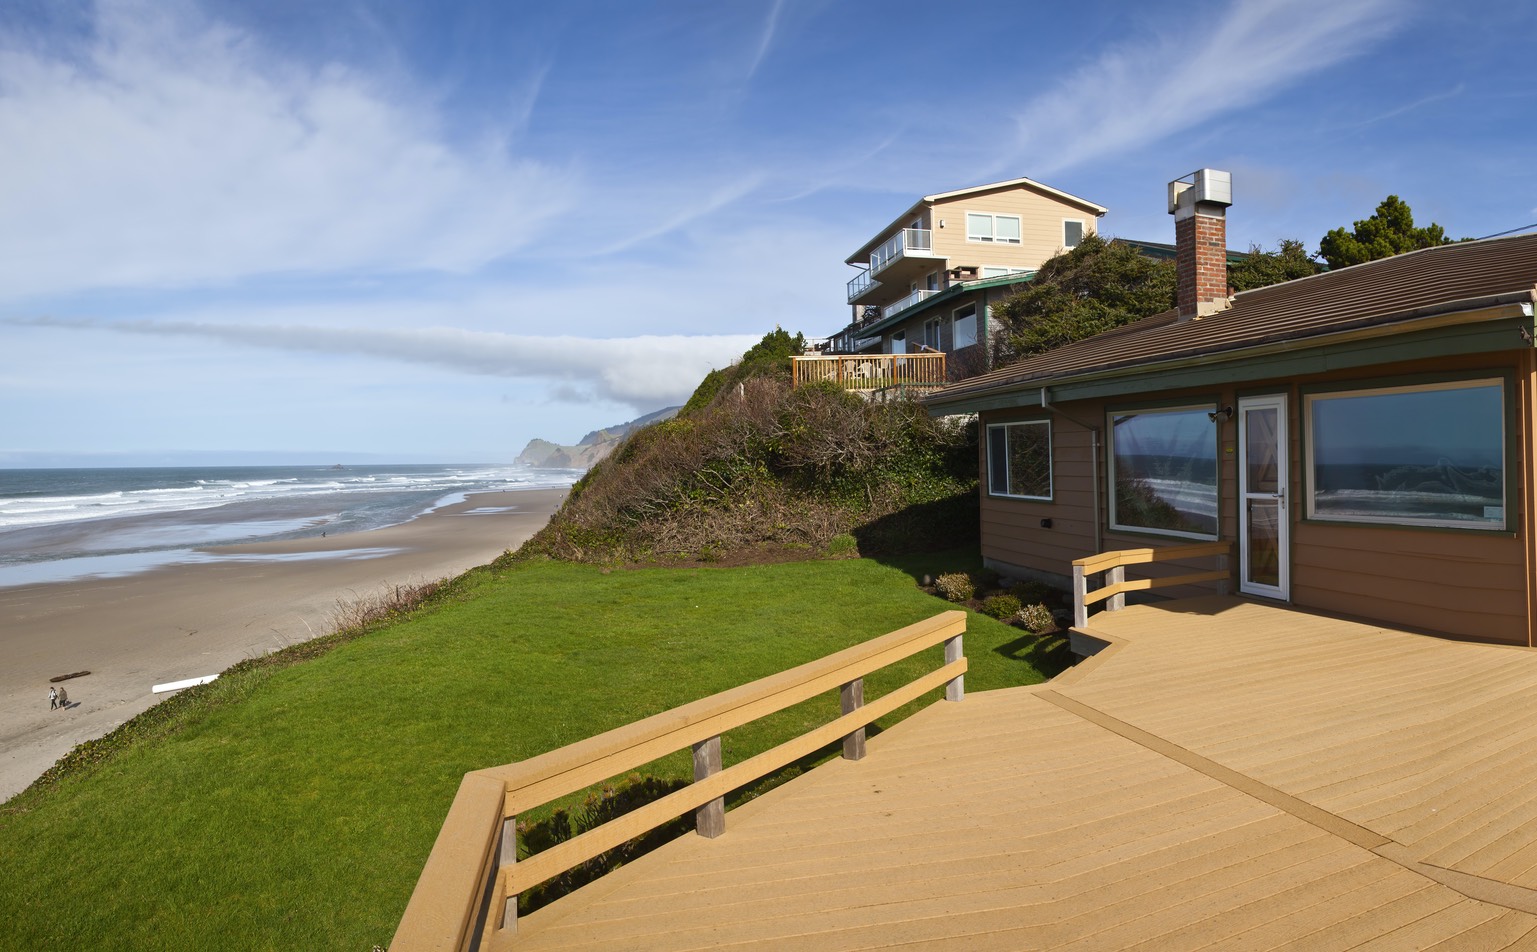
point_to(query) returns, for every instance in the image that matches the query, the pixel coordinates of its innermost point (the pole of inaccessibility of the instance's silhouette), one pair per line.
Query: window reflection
(1165, 468)
(1415, 456)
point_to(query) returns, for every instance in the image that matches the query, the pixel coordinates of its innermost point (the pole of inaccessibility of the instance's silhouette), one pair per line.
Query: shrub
(599, 808)
(1000, 606)
(842, 544)
(1037, 619)
(1029, 592)
(955, 586)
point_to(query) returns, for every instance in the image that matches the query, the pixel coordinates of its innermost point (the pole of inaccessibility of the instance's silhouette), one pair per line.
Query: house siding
(1040, 216)
(1468, 583)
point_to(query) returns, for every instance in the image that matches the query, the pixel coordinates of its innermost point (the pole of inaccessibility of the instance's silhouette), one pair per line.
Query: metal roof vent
(1211, 186)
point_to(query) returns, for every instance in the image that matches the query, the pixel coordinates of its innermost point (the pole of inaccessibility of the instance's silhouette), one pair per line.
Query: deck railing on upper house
(872, 371)
(467, 897)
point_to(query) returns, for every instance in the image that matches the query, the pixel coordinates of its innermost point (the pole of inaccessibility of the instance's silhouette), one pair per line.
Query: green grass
(292, 807)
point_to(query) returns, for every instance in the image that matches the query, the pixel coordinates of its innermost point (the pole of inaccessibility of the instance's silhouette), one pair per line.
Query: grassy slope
(300, 817)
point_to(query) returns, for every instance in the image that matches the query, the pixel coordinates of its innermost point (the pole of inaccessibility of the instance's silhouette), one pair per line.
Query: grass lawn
(293, 807)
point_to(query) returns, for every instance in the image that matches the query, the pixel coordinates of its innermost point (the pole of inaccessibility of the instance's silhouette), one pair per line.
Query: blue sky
(414, 231)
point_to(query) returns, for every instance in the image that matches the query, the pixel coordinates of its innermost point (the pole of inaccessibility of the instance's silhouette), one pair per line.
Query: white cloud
(170, 151)
(1141, 92)
(644, 372)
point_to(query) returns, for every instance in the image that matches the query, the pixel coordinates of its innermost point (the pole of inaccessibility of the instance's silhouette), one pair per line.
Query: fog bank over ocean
(62, 524)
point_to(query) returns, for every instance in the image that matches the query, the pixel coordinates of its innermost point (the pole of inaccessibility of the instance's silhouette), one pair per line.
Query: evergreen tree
(1263, 268)
(1390, 231)
(1092, 288)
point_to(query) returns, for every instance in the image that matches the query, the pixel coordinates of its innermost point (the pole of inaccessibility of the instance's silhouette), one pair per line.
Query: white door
(1264, 535)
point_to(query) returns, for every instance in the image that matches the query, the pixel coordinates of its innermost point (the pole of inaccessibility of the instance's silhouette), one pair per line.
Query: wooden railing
(871, 371)
(1113, 564)
(467, 895)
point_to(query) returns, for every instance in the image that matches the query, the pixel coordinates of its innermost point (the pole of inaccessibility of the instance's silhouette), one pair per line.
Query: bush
(1030, 592)
(955, 586)
(841, 545)
(1037, 619)
(1000, 606)
(599, 808)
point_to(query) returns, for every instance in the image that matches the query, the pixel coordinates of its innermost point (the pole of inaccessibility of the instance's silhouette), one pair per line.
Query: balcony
(905, 243)
(912, 299)
(859, 284)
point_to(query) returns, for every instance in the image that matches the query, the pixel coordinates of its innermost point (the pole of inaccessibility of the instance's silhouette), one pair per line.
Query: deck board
(1010, 821)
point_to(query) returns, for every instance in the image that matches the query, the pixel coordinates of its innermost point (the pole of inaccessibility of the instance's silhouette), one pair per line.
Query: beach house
(927, 279)
(1361, 440)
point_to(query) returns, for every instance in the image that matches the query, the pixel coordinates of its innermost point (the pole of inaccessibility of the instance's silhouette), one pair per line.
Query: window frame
(1112, 516)
(1422, 384)
(1051, 463)
(1083, 231)
(938, 323)
(992, 235)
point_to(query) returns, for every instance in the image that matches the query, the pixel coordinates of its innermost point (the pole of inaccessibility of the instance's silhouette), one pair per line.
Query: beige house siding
(1470, 583)
(1041, 218)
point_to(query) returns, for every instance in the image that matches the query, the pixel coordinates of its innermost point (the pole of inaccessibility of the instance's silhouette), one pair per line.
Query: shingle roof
(1447, 278)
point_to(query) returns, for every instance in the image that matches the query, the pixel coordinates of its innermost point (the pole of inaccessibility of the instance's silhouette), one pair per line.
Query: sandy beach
(191, 620)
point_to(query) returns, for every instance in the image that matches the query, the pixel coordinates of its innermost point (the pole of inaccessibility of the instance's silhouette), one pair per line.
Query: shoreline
(193, 619)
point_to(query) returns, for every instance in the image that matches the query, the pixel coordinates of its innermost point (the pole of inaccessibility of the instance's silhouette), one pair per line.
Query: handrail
(466, 897)
(871, 371)
(1113, 564)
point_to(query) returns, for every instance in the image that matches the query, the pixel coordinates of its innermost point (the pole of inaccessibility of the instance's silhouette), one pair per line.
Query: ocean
(65, 524)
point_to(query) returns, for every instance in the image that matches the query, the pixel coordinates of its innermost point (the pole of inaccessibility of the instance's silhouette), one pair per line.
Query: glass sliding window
(1424, 456)
(1019, 459)
(1164, 471)
(984, 226)
(1072, 232)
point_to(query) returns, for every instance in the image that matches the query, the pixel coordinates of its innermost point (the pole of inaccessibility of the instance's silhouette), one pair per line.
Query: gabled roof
(1392, 295)
(863, 253)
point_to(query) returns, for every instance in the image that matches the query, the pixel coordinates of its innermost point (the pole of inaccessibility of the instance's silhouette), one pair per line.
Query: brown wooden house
(1364, 438)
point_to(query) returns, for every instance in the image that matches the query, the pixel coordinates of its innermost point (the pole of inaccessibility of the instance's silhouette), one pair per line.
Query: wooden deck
(1227, 775)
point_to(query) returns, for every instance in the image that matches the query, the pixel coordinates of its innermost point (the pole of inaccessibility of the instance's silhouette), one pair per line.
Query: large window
(1072, 232)
(963, 330)
(1430, 455)
(985, 226)
(1164, 472)
(1019, 459)
(931, 334)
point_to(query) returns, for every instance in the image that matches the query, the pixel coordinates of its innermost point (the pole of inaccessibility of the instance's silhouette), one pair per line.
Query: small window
(1419, 456)
(963, 327)
(988, 272)
(998, 229)
(1019, 460)
(1163, 469)
(1072, 232)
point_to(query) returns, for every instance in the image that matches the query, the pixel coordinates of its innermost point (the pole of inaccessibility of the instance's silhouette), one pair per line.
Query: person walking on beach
(53, 699)
(63, 698)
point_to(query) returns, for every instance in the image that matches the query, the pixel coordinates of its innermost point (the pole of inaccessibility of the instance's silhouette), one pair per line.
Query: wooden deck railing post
(1080, 598)
(851, 697)
(509, 857)
(1116, 576)
(955, 688)
(710, 819)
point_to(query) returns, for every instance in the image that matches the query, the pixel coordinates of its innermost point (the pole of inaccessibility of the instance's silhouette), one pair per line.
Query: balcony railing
(920, 295)
(859, 284)
(868, 372)
(905, 242)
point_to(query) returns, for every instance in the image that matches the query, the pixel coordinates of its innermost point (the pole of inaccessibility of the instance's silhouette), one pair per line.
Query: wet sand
(187, 621)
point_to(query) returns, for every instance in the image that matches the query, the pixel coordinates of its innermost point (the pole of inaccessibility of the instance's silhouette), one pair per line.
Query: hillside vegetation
(753, 468)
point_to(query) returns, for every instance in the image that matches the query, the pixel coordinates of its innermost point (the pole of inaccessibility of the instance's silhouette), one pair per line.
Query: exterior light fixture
(1225, 414)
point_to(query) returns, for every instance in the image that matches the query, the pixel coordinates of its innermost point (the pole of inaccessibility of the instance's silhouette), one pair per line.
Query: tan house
(926, 280)
(1364, 438)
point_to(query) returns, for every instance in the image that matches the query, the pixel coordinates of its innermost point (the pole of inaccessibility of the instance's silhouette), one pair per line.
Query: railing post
(955, 688)
(851, 696)
(1115, 576)
(1080, 598)
(509, 857)
(710, 819)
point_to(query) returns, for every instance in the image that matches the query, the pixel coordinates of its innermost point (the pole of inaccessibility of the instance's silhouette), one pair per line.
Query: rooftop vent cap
(1203, 185)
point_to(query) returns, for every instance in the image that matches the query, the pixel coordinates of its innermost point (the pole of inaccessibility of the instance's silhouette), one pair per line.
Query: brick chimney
(1199, 203)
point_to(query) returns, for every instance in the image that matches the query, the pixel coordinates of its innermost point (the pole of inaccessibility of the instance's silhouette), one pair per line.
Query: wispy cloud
(1452, 93)
(1138, 93)
(766, 40)
(644, 372)
(175, 151)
